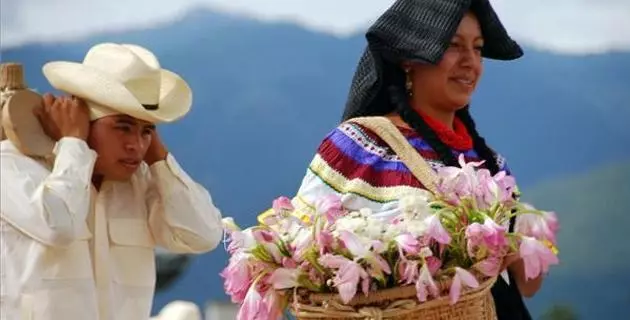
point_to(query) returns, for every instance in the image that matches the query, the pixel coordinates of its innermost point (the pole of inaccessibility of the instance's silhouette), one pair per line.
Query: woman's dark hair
(394, 80)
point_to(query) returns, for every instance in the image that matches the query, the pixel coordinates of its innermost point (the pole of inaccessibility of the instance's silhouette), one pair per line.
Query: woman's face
(450, 84)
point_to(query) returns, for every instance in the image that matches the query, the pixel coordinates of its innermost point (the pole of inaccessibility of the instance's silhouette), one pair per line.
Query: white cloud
(570, 26)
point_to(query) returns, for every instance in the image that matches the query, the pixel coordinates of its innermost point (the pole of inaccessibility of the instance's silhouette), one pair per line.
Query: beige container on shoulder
(18, 123)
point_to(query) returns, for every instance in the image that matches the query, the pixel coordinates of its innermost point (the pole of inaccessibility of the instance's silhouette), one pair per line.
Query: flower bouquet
(436, 260)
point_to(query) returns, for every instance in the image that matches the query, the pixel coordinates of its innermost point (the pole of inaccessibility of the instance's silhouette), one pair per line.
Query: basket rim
(397, 293)
(387, 306)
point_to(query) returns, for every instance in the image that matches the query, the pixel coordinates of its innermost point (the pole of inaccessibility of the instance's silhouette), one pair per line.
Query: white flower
(351, 224)
(426, 252)
(416, 228)
(414, 207)
(374, 229)
(392, 231)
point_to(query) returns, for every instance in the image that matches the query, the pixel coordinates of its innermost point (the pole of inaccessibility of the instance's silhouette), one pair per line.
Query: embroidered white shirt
(70, 252)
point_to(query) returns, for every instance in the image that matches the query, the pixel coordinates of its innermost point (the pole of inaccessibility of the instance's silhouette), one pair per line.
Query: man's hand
(64, 117)
(157, 151)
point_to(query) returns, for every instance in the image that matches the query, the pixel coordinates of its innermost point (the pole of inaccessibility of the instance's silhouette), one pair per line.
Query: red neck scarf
(457, 138)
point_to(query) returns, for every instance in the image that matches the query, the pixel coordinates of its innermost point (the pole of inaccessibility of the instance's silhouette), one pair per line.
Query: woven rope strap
(397, 308)
(385, 129)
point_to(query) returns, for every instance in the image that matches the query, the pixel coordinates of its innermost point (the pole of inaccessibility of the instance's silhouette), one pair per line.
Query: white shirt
(69, 252)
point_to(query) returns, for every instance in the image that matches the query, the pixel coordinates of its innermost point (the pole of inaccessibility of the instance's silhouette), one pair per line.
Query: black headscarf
(421, 31)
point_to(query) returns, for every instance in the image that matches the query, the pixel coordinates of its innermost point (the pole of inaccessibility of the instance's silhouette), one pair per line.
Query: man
(78, 235)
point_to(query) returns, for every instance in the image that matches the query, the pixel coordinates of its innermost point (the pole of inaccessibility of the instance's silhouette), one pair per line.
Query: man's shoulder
(12, 160)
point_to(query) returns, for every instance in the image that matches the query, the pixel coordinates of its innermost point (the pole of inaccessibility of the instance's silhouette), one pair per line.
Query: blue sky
(568, 26)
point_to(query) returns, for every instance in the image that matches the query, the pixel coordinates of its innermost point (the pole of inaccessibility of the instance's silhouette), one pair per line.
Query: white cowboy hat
(122, 79)
(179, 310)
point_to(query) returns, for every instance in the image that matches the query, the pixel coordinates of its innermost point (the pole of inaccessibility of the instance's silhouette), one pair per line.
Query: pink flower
(425, 285)
(272, 305)
(324, 240)
(536, 256)
(542, 226)
(494, 234)
(461, 277)
(330, 206)
(489, 266)
(241, 241)
(493, 189)
(488, 235)
(436, 231)
(268, 239)
(281, 204)
(289, 263)
(407, 243)
(347, 277)
(487, 191)
(284, 278)
(409, 271)
(252, 307)
(301, 244)
(456, 183)
(237, 277)
(282, 208)
(507, 185)
(434, 264)
(358, 249)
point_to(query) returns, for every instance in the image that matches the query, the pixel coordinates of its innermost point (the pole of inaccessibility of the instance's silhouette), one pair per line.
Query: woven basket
(399, 304)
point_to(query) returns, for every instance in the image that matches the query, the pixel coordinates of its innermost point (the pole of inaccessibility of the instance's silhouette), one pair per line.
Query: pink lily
(425, 285)
(268, 239)
(281, 204)
(494, 233)
(241, 241)
(289, 263)
(252, 307)
(436, 231)
(409, 271)
(330, 206)
(301, 244)
(347, 277)
(489, 266)
(407, 243)
(507, 186)
(284, 278)
(237, 277)
(459, 182)
(434, 264)
(359, 250)
(487, 191)
(282, 208)
(272, 305)
(536, 256)
(461, 277)
(542, 226)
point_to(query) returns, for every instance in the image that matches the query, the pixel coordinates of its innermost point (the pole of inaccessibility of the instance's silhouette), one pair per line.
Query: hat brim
(94, 85)
(23, 128)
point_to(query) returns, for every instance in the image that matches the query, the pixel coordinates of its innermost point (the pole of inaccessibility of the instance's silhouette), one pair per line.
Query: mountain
(266, 94)
(593, 212)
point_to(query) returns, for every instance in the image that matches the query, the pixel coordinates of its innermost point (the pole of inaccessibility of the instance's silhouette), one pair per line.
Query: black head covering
(421, 31)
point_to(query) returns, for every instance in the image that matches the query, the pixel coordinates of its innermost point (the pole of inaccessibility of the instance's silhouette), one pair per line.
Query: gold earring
(408, 81)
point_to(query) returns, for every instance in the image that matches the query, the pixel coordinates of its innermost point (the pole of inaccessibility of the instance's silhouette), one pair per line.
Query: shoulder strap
(385, 129)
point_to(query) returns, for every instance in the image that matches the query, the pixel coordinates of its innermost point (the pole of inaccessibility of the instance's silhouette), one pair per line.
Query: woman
(421, 66)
